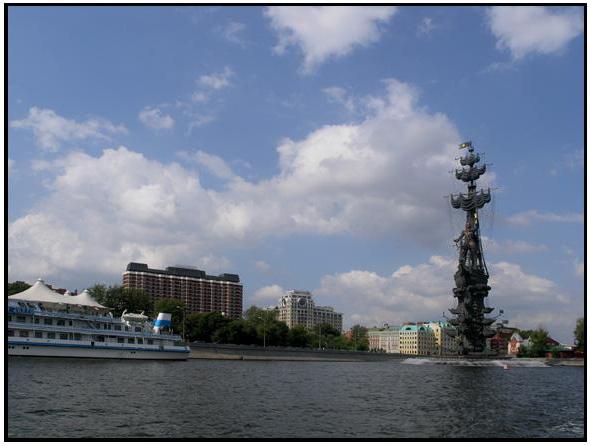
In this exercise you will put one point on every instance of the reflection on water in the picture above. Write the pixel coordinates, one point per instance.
(244, 399)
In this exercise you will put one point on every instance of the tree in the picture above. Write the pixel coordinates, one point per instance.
(173, 306)
(16, 287)
(538, 346)
(120, 299)
(359, 337)
(580, 333)
(298, 337)
(98, 291)
(237, 331)
(202, 326)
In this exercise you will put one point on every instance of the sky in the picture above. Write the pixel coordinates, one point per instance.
(301, 147)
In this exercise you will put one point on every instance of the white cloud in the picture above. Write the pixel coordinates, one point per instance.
(339, 95)
(268, 295)
(262, 266)
(322, 32)
(374, 177)
(154, 119)
(526, 218)
(213, 163)
(216, 81)
(534, 29)
(424, 291)
(51, 130)
(512, 246)
(234, 32)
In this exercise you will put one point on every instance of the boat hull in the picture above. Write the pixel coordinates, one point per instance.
(73, 351)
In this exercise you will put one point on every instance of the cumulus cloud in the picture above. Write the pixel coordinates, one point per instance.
(534, 29)
(374, 177)
(216, 81)
(51, 130)
(155, 119)
(424, 291)
(268, 295)
(214, 164)
(526, 218)
(322, 32)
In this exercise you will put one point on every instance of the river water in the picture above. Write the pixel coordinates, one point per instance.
(54, 398)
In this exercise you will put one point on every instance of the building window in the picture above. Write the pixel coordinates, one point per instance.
(38, 334)
(50, 335)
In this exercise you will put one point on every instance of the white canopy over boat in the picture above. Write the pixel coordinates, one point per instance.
(40, 292)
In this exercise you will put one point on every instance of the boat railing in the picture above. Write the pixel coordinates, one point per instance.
(112, 333)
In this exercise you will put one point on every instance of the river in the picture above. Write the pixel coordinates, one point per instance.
(65, 398)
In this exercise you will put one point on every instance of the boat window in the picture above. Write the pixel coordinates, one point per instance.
(38, 334)
(9, 318)
(48, 321)
(21, 319)
(50, 335)
(139, 340)
(117, 327)
(23, 333)
(126, 328)
(120, 340)
(70, 323)
(138, 329)
(131, 340)
(105, 326)
(77, 336)
(37, 320)
(63, 336)
(100, 338)
(150, 341)
(61, 322)
(10, 332)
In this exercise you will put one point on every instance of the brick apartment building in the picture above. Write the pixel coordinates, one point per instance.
(200, 292)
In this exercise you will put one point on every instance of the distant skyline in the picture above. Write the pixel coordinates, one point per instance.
(301, 148)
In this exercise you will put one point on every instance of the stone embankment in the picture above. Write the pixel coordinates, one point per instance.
(201, 350)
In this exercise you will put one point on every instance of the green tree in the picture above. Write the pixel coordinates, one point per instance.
(202, 326)
(359, 337)
(538, 346)
(120, 299)
(580, 333)
(298, 337)
(16, 287)
(173, 306)
(98, 291)
(237, 331)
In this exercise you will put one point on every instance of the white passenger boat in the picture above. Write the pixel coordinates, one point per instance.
(42, 322)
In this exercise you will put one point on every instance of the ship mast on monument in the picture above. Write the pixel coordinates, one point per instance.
(471, 279)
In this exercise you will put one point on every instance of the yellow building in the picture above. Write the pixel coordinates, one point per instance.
(417, 339)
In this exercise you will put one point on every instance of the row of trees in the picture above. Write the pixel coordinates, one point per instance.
(257, 327)
(539, 338)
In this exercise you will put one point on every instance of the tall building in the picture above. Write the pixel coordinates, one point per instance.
(384, 339)
(298, 308)
(200, 292)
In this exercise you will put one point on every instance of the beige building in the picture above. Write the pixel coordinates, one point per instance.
(428, 338)
(298, 308)
(384, 339)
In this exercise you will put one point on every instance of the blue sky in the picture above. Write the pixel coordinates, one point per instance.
(300, 147)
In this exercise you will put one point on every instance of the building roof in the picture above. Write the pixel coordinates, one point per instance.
(182, 271)
(39, 292)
